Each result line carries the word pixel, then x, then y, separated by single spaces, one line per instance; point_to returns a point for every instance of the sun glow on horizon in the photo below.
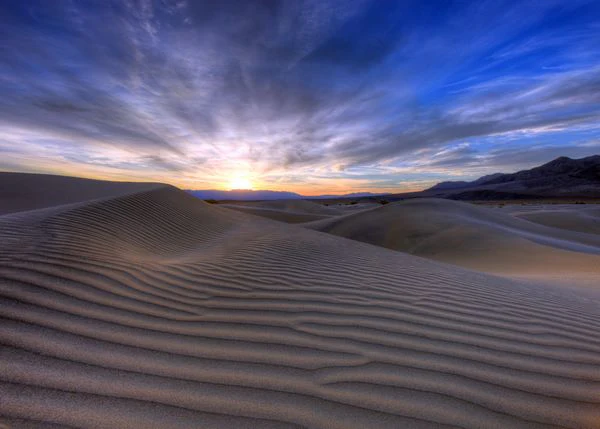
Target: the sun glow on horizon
pixel 240 182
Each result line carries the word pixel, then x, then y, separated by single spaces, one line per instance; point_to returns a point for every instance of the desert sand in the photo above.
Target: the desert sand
pixel 289 211
pixel 573 217
pixel 297 211
pixel 20 192
pixel 497 241
pixel 149 308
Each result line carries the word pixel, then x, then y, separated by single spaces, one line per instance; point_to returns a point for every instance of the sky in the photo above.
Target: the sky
pixel 310 96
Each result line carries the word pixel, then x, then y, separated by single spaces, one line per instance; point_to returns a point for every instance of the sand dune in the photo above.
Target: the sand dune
pixel 20 191
pixel 299 206
pixel 572 217
pixel 289 211
pixel 475 237
pixel 153 309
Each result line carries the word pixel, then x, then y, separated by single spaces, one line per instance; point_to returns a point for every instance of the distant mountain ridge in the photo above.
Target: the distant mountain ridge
pixel 462 184
pixel 351 195
pixel 265 195
pixel 561 177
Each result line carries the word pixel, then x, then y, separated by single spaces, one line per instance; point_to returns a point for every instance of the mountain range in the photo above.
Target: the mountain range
pixel 265 195
pixel 562 177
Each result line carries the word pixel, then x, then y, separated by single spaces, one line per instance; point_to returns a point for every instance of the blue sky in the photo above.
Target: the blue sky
pixel 310 96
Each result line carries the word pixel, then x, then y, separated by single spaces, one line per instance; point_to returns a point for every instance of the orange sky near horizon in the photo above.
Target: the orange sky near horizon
pixel 227 183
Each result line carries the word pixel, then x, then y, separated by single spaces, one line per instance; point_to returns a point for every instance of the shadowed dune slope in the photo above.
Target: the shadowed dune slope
pixel 473 237
pixel 289 211
pixel 299 206
pixel 22 191
pixel 278 215
pixel 156 310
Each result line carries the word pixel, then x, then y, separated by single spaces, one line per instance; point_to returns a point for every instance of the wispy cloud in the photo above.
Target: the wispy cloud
pixel 319 91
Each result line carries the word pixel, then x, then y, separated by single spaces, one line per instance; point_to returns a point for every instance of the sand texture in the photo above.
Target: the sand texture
pixel 288 211
pixel 573 217
pixel 153 309
pixel 19 192
pixel 478 238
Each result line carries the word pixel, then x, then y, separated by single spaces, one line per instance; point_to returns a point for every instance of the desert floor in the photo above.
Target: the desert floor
pixel 137 305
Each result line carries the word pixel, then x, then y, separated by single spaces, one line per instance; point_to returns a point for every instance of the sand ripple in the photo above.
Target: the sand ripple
pixel 154 309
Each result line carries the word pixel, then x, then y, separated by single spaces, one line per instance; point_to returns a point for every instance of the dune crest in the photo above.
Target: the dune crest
pixel 154 309
pixel 474 237
pixel 21 191
pixel 570 217
pixel 288 211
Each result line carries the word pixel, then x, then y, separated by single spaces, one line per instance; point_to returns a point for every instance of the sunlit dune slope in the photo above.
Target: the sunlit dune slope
pixel 574 217
pixel 156 310
pixel 473 237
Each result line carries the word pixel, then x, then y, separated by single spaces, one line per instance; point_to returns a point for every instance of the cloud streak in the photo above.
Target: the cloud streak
pixel 193 91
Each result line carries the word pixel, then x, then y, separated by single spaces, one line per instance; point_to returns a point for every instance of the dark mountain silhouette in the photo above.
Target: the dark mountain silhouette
pixel 250 195
pixel 562 177
pixel 244 195
pixel 351 195
pixel 462 184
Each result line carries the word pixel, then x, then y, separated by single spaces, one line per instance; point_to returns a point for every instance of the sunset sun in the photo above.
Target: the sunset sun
pixel 240 182
pixel 300 213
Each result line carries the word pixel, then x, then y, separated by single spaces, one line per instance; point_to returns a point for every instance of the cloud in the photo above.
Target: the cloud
pixel 290 87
